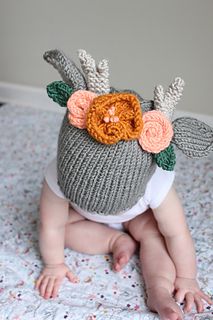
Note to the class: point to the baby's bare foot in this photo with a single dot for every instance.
(123, 249)
(161, 301)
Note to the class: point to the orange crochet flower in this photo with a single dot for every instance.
(114, 117)
(157, 132)
(78, 104)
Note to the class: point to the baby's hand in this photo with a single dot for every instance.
(188, 290)
(51, 278)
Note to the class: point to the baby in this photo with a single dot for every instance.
(111, 189)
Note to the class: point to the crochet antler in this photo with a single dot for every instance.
(166, 102)
(67, 69)
(97, 75)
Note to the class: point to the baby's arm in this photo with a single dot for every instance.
(53, 218)
(172, 224)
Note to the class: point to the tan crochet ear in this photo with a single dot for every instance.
(193, 137)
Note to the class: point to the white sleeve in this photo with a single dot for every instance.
(158, 187)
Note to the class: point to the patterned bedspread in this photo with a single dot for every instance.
(28, 140)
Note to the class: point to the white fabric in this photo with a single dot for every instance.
(156, 190)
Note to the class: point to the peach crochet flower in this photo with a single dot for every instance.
(157, 132)
(114, 117)
(78, 105)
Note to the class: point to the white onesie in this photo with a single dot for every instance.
(156, 190)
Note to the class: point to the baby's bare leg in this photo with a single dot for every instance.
(59, 228)
(157, 267)
(95, 238)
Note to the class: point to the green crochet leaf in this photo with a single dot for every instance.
(166, 159)
(60, 92)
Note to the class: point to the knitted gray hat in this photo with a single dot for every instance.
(111, 140)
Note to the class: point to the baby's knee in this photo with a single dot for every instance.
(143, 226)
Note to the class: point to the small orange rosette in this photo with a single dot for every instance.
(114, 117)
(157, 132)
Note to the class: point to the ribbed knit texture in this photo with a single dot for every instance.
(109, 179)
(193, 137)
(101, 178)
